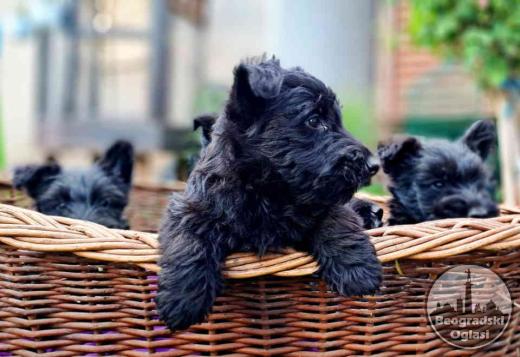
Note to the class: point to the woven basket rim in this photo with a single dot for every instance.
(30, 230)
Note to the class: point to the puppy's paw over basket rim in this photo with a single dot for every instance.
(29, 230)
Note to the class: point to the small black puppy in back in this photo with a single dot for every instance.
(436, 178)
(277, 173)
(205, 124)
(98, 194)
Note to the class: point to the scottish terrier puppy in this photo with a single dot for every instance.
(436, 178)
(370, 213)
(98, 194)
(277, 173)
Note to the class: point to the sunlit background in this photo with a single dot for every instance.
(76, 75)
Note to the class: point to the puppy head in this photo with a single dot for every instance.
(98, 194)
(436, 179)
(292, 121)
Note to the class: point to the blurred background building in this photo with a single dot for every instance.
(78, 74)
(417, 90)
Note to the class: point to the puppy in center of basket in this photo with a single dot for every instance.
(277, 173)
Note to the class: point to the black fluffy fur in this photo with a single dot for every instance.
(436, 178)
(98, 194)
(277, 173)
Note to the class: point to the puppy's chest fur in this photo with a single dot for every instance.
(253, 216)
(271, 220)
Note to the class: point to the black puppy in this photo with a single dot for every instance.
(436, 178)
(277, 173)
(370, 213)
(98, 194)
(204, 123)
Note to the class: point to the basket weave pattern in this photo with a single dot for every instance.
(70, 288)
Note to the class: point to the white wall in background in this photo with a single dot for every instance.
(237, 29)
(329, 38)
(17, 83)
(333, 39)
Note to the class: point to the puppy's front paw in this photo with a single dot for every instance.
(180, 312)
(370, 213)
(348, 261)
(354, 279)
(188, 286)
(373, 217)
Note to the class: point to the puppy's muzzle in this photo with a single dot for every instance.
(362, 163)
(454, 207)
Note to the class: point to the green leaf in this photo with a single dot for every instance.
(484, 38)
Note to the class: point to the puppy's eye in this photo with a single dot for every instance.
(438, 184)
(313, 123)
(105, 203)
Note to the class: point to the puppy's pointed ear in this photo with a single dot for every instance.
(397, 154)
(481, 137)
(262, 80)
(118, 161)
(206, 123)
(35, 179)
(253, 85)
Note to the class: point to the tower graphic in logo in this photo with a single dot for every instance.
(469, 306)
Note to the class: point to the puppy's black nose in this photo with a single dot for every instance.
(373, 166)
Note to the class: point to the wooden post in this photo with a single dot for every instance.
(160, 61)
(508, 110)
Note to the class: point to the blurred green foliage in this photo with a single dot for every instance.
(210, 99)
(359, 119)
(376, 189)
(483, 34)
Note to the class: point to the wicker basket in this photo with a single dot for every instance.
(72, 288)
(145, 208)
(147, 203)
